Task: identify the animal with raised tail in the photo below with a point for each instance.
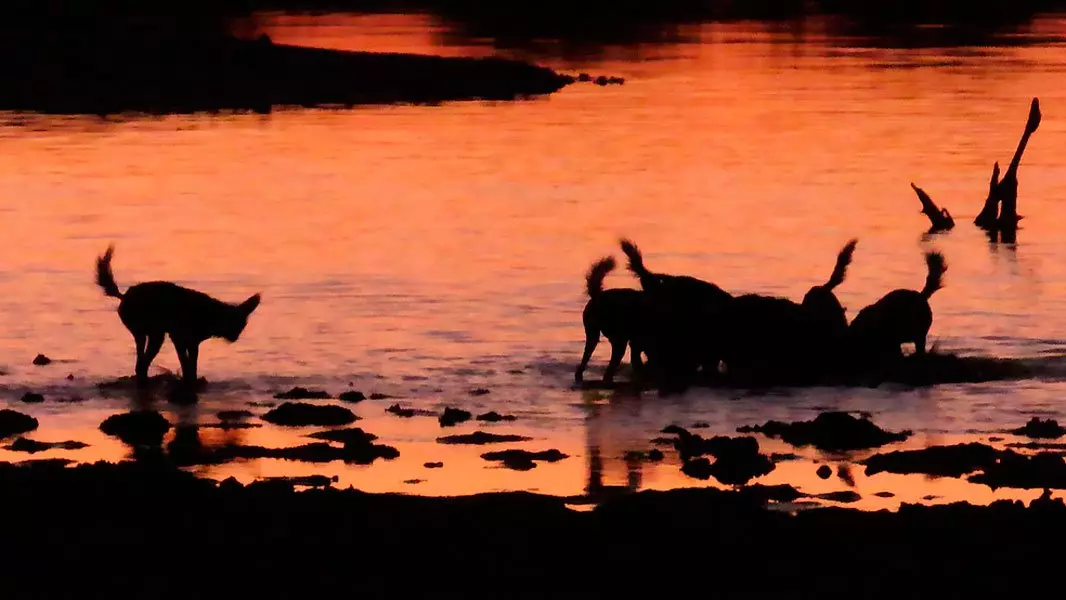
(899, 317)
(620, 314)
(684, 313)
(155, 309)
(769, 339)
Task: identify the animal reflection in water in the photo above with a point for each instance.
(616, 440)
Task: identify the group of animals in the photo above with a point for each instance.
(686, 326)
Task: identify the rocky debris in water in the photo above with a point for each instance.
(844, 473)
(70, 399)
(675, 430)
(299, 414)
(825, 472)
(1038, 445)
(32, 398)
(1038, 428)
(929, 497)
(137, 428)
(379, 396)
(22, 444)
(129, 382)
(830, 431)
(234, 415)
(41, 360)
(407, 413)
(495, 417)
(351, 435)
(256, 404)
(305, 480)
(352, 396)
(655, 455)
(663, 441)
(995, 438)
(701, 425)
(885, 495)
(412, 481)
(762, 494)
(433, 465)
(845, 496)
(524, 460)
(480, 438)
(301, 393)
(13, 423)
(1044, 470)
(946, 461)
(783, 456)
(453, 416)
(737, 460)
(317, 452)
(479, 391)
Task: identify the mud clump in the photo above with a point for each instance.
(433, 465)
(299, 414)
(824, 472)
(495, 417)
(33, 446)
(844, 497)
(32, 398)
(655, 455)
(137, 428)
(352, 396)
(1037, 428)
(379, 396)
(737, 460)
(945, 461)
(480, 438)
(1044, 470)
(453, 416)
(352, 435)
(407, 413)
(234, 415)
(13, 423)
(301, 393)
(41, 360)
(318, 452)
(523, 460)
(830, 431)
(318, 481)
(480, 391)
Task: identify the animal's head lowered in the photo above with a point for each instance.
(238, 319)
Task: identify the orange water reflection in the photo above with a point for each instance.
(422, 252)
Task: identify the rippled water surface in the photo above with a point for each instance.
(422, 252)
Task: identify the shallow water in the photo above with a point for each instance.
(423, 252)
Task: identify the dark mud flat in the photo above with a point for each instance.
(110, 71)
(130, 528)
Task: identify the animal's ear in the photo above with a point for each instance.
(250, 304)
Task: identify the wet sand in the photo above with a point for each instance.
(143, 529)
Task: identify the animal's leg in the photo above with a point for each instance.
(140, 341)
(155, 342)
(189, 371)
(919, 345)
(618, 351)
(592, 338)
(634, 356)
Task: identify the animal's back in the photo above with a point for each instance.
(162, 306)
(898, 315)
(617, 309)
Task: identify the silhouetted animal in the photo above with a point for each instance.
(683, 319)
(619, 314)
(901, 316)
(154, 309)
(939, 218)
(768, 339)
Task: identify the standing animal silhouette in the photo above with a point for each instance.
(901, 316)
(620, 314)
(155, 309)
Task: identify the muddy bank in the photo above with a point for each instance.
(110, 70)
(283, 543)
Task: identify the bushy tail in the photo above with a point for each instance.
(104, 277)
(935, 279)
(597, 272)
(636, 264)
(841, 268)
